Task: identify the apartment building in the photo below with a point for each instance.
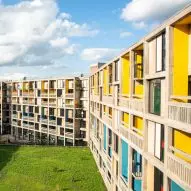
(140, 112)
(47, 111)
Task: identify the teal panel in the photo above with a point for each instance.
(124, 160)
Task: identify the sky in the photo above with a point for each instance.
(47, 38)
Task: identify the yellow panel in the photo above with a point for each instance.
(138, 123)
(125, 119)
(138, 88)
(182, 141)
(125, 75)
(66, 86)
(180, 69)
(105, 81)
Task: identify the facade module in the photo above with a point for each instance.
(134, 111)
(49, 111)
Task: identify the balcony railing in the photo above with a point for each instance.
(44, 95)
(52, 104)
(122, 184)
(14, 116)
(43, 129)
(31, 126)
(69, 95)
(136, 104)
(70, 135)
(107, 119)
(52, 131)
(52, 94)
(132, 136)
(180, 112)
(70, 125)
(52, 122)
(25, 125)
(108, 99)
(124, 101)
(179, 167)
(44, 120)
(44, 103)
(94, 97)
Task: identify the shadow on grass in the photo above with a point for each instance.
(6, 154)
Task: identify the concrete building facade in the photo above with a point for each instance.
(140, 112)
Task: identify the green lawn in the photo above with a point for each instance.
(33, 168)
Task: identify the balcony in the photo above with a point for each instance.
(31, 126)
(25, 101)
(44, 120)
(69, 95)
(44, 94)
(69, 125)
(52, 94)
(122, 184)
(44, 103)
(179, 167)
(44, 130)
(124, 101)
(53, 104)
(31, 93)
(94, 97)
(31, 118)
(25, 94)
(180, 112)
(52, 122)
(14, 93)
(14, 123)
(52, 131)
(136, 104)
(14, 116)
(108, 99)
(133, 137)
(25, 125)
(107, 119)
(69, 135)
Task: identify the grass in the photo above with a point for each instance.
(30, 168)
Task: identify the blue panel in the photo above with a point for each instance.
(124, 160)
(137, 185)
(105, 137)
(175, 187)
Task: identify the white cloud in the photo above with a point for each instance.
(37, 28)
(98, 54)
(59, 42)
(140, 11)
(140, 25)
(125, 34)
(15, 76)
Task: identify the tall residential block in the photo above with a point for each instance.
(140, 112)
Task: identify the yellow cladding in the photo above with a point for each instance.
(110, 89)
(125, 75)
(180, 54)
(96, 83)
(66, 86)
(125, 119)
(182, 141)
(105, 81)
(138, 123)
(138, 88)
(110, 112)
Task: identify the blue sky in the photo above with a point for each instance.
(42, 38)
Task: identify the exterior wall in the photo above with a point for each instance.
(47, 108)
(159, 137)
(180, 69)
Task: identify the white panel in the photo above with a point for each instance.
(163, 93)
(158, 140)
(151, 136)
(159, 53)
(152, 56)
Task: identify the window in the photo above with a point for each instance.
(155, 97)
(161, 48)
(105, 137)
(124, 163)
(110, 143)
(116, 143)
(156, 140)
